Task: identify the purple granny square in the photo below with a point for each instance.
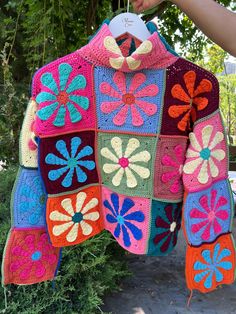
(28, 199)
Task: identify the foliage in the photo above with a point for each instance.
(177, 28)
(228, 104)
(214, 61)
(87, 271)
(35, 32)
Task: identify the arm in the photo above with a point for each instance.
(218, 23)
(215, 21)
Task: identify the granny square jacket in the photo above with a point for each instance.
(124, 136)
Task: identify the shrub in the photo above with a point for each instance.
(87, 271)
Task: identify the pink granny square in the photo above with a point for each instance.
(127, 218)
(206, 157)
(169, 167)
(63, 92)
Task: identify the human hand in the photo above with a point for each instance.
(142, 5)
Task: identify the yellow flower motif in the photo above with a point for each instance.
(75, 218)
(204, 157)
(125, 163)
(111, 45)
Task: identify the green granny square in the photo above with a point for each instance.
(126, 162)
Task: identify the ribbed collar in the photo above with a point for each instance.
(103, 50)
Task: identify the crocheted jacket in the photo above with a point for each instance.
(123, 136)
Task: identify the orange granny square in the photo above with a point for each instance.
(73, 218)
(210, 265)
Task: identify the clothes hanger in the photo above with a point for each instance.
(129, 23)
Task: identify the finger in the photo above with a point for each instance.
(137, 5)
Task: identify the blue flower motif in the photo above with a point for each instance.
(212, 266)
(32, 201)
(122, 218)
(59, 98)
(71, 162)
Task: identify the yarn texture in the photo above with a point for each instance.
(123, 136)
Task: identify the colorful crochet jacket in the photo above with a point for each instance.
(127, 137)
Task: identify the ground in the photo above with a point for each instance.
(158, 287)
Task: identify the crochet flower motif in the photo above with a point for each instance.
(75, 219)
(168, 226)
(117, 63)
(129, 99)
(205, 155)
(212, 266)
(210, 216)
(176, 169)
(193, 102)
(32, 200)
(62, 98)
(71, 162)
(32, 257)
(123, 219)
(125, 162)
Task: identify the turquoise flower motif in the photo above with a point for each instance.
(212, 266)
(60, 98)
(72, 162)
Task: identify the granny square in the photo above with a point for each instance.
(28, 150)
(74, 218)
(117, 136)
(208, 213)
(28, 199)
(129, 102)
(164, 227)
(210, 265)
(126, 163)
(206, 157)
(191, 94)
(29, 257)
(169, 168)
(67, 162)
(127, 218)
(64, 96)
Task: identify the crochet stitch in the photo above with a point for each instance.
(125, 136)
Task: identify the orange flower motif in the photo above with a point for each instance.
(193, 103)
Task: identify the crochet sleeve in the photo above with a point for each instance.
(28, 255)
(208, 206)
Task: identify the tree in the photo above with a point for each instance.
(214, 61)
(35, 32)
(228, 104)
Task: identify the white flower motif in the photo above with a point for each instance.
(75, 218)
(124, 163)
(204, 155)
(112, 46)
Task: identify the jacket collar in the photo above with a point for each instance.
(103, 50)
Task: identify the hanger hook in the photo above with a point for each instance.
(127, 6)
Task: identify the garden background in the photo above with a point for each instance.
(33, 33)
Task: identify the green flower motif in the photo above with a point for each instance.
(63, 97)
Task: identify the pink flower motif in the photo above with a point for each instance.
(175, 167)
(129, 99)
(31, 257)
(209, 216)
